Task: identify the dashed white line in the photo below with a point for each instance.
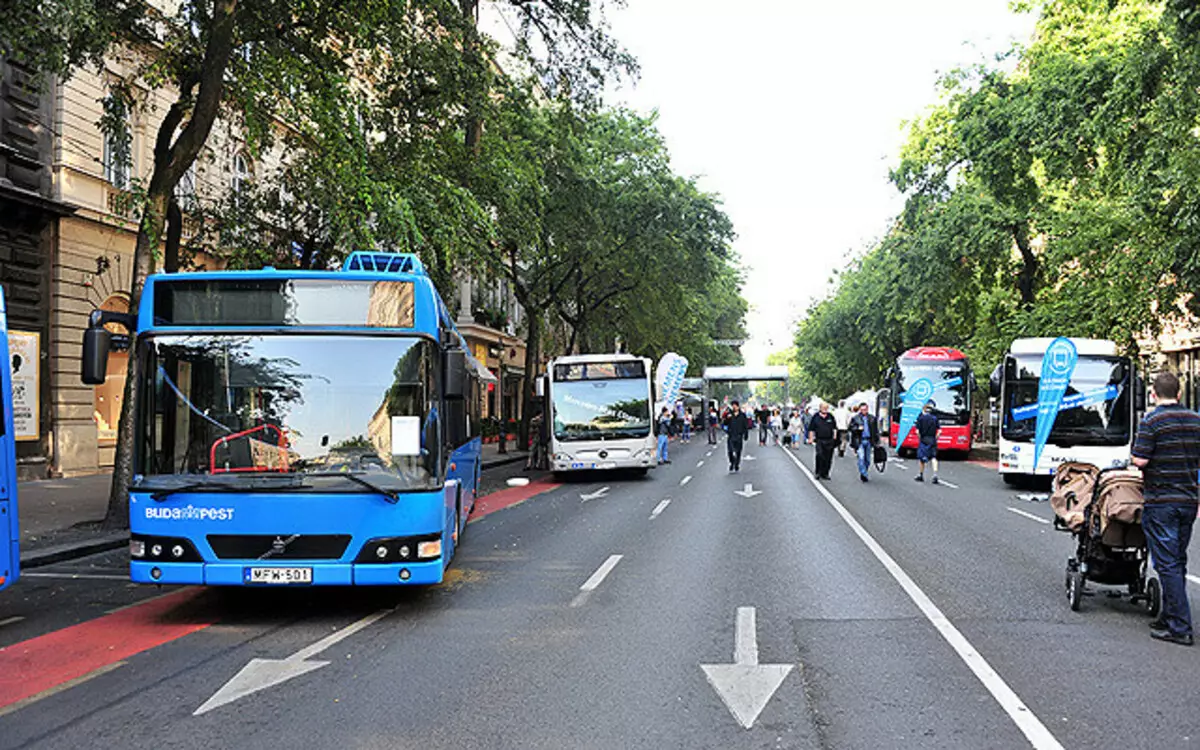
(596, 579)
(1194, 579)
(1030, 516)
(658, 509)
(699, 464)
(1029, 724)
(685, 480)
(951, 485)
(10, 621)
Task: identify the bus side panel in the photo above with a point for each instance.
(10, 556)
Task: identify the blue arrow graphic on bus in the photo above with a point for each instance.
(913, 400)
(1058, 364)
(1090, 398)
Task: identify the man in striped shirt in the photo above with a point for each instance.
(1168, 451)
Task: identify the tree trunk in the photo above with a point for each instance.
(150, 228)
(171, 159)
(1027, 279)
(174, 236)
(533, 354)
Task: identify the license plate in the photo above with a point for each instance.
(282, 576)
(607, 465)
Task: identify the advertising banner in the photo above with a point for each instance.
(668, 378)
(24, 358)
(1058, 365)
(913, 401)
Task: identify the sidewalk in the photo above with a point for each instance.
(60, 518)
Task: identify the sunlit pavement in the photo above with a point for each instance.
(692, 608)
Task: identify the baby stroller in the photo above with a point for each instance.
(1103, 511)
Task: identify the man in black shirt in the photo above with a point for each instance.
(1167, 450)
(927, 439)
(822, 430)
(737, 425)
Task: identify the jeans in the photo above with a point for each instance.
(662, 447)
(734, 447)
(1168, 528)
(687, 432)
(865, 449)
(762, 434)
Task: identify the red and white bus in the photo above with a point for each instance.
(952, 383)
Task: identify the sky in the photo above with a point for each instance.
(792, 111)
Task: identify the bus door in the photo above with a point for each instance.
(10, 559)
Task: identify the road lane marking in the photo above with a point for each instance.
(685, 480)
(1029, 724)
(746, 687)
(653, 515)
(747, 491)
(1194, 579)
(261, 674)
(595, 495)
(1030, 516)
(595, 580)
(11, 620)
(699, 464)
(708, 455)
(951, 485)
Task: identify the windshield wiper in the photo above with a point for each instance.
(392, 496)
(160, 494)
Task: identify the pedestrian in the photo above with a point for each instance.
(822, 432)
(762, 415)
(864, 437)
(687, 427)
(713, 420)
(737, 427)
(776, 425)
(841, 415)
(664, 432)
(1167, 449)
(796, 429)
(928, 428)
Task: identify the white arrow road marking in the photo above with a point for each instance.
(595, 495)
(11, 620)
(685, 480)
(1030, 516)
(595, 580)
(746, 687)
(1029, 724)
(748, 491)
(653, 515)
(261, 674)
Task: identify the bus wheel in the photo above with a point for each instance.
(1012, 480)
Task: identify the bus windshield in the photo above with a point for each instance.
(605, 408)
(270, 412)
(1101, 390)
(951, 403)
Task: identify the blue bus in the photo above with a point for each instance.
(10, 557)
(297, 427)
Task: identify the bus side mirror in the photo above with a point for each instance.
(96, 342)
(995, 381)
(455, 375)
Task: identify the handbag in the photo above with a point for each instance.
(880, 458)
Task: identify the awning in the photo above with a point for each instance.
(484, 373)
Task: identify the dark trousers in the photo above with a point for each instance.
(825, 456)
(1168, 528)
(712, 434)
(734, 448)
(762, 433)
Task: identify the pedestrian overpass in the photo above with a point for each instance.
(741, 374)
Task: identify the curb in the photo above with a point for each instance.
(511, 459)
(72, 550)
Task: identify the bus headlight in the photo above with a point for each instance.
(137, 548)
(429, 550)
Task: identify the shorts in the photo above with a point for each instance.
(926, 451)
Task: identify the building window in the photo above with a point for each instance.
(241, 173)
(185, 191)
(118, 142)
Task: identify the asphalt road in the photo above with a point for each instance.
(888, 614)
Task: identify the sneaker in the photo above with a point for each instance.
(863, 477)
(919, 478)
(1169, 637)
(934, 481)
(1159, 624)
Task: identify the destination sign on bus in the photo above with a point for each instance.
(284, 302)
(599, 371)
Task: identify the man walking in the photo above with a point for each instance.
(737, 425)
(713, 419)
(763, 415)
(928, 428)
(864, 436)
(841, 415)
(822, 430)
(664, 433)
(1167, 450)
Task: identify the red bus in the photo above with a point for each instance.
(950, 374)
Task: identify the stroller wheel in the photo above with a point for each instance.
(1074, 589)
(1154, 596)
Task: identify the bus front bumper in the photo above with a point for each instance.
(323, 573)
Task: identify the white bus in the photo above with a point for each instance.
(599, 413)
(1095, 423)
